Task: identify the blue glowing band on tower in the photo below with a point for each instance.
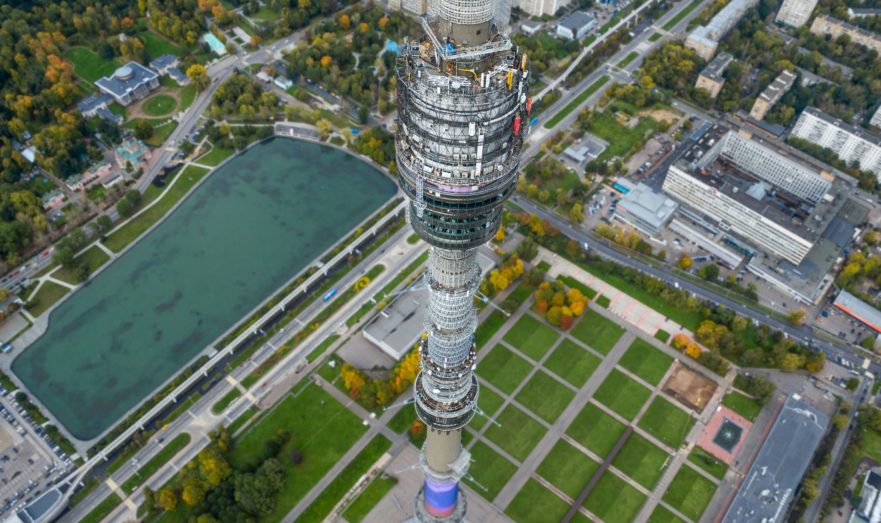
(441, 497)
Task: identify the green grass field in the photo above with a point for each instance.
(567, 468)
(622, 394)
(47, 296)
(534, 503)
(742, 404)
(707, 462)
(171, 195)
(322, 428)
(545, 396)
(366, 500)
(215, 156)
(93, 257)
(871, 443)
(88, 65)
(662, 515)
(157, 46)
(614, 500)
(623, 141)
(666, 422)
(645, 361)
(187, 94)
(596, 430)
(159, 105)
(503, 368)
(595, 331)
(690, 493)
(531, 336)
(518, 433)
(489, 402)
(489, 469)
(488, 327)
(572, 363)
(641, 460)
(578, 100)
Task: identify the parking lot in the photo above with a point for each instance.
(29, 461)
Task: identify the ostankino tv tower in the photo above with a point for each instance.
(462, 112)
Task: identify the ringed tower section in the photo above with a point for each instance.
(462, 113)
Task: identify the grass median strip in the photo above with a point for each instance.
(186, 180)
(680, 15)
(156, 462)
(571, 106)
(103, 509)
(627, 59)
(221, 404)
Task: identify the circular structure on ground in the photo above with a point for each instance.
(159, 105)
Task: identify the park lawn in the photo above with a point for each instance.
(88, 65)
(366, 500)
(489, 402)
(871, 444)
(157, 46)
(187, 94)
(535, 503)
(185, 181)
(334, 492)
(742, 404)
(707, 462)
(545, 396)
(614, 500)
(666, 421)
(623, 141)
(645, 361)
(690, 493)
(663, 515)
(103, 509)
(641, 460)
(531, 336)
(597, 332)
(488, 327)
(215, 156)
(518, 433)
(503, 368)
(489, 469)
(49, 293)
(567, 468)
(94, 257)
(405, 417)
(572, 363)
(159, 105)
(321, 428)
(622, 394)
(596, 430)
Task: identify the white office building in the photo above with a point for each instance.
(851, 144)
(795, 13)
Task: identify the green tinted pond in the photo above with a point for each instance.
(249, 228)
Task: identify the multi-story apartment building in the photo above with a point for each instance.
(712, 78)
(826, 25)
(852, 144)
(705, 39)
(772, 94)
(795, 13)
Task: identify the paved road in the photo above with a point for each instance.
(802, 334)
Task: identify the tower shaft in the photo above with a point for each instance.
(461, 115)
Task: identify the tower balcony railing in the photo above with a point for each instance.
(499, 43)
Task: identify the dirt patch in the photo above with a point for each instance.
(690, 388)
(659, 115)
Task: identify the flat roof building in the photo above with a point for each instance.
(826, 25)
(705, 39)
(869, 510)
(576, 26)
(772, 94)
(645, 209)
(862, 311)
(712, 78)
(795, 13)
(769, 487)
(851, 144)
(129, 83)
(162, 64)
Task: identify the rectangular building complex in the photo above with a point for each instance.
(864, 312)
(795, 13)
(850, 143)
(772, 94)
(705, 39)
(712, 78)
(826, 25)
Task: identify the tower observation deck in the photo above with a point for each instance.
(462, 112)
